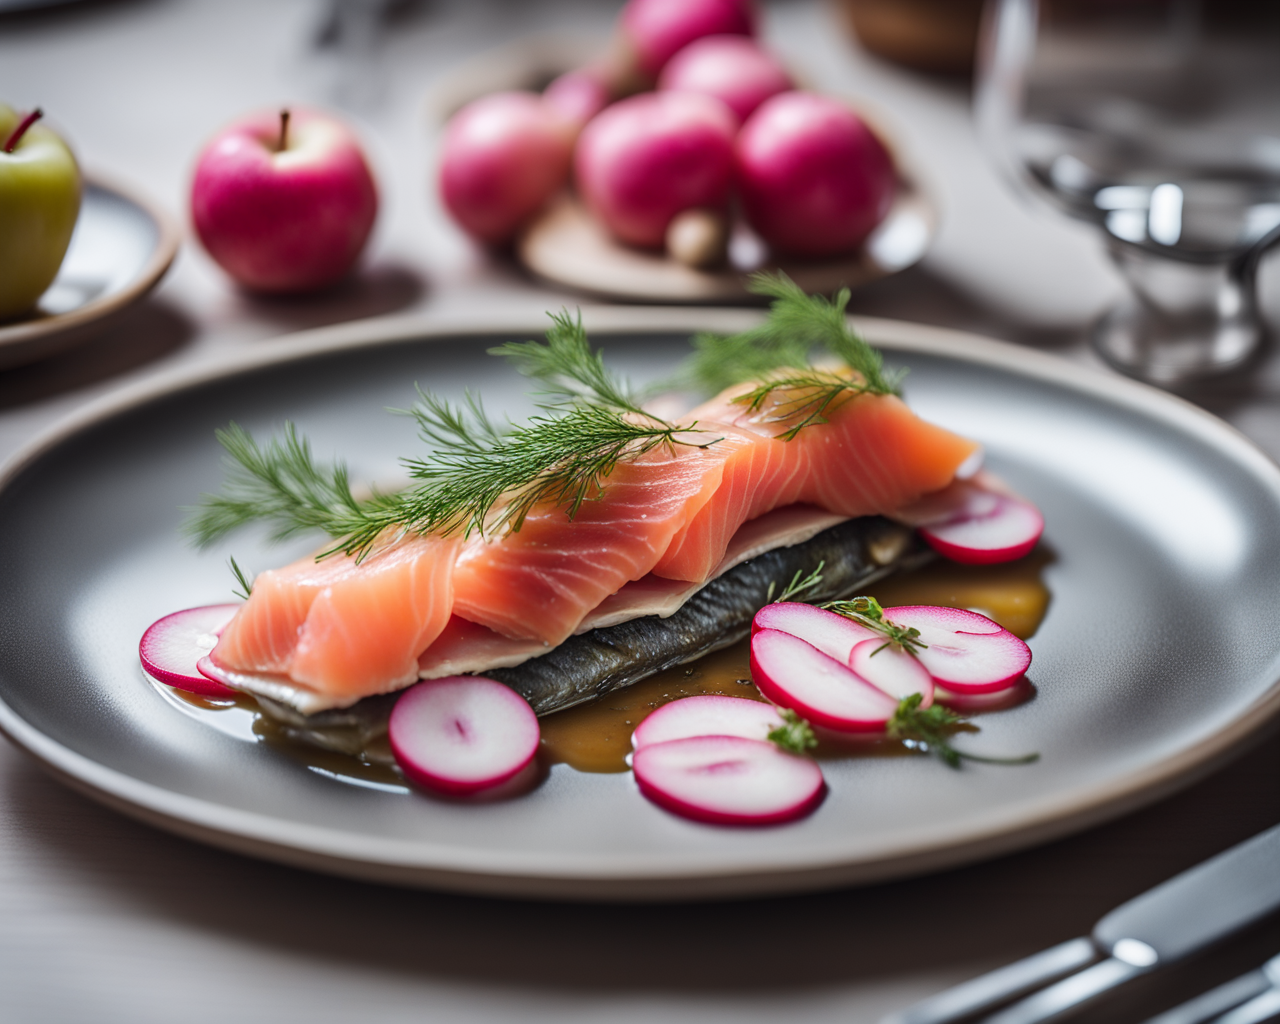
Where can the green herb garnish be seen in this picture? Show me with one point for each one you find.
(797, 585)
(244, 585)
(930, 730)
(866, 611)
(795, 736)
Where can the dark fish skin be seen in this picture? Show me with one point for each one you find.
(585, 667)
(853, 554)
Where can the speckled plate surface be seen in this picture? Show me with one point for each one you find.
(1159, 657)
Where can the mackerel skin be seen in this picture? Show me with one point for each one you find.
(598, 662)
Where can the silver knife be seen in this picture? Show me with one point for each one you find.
(1181, 916)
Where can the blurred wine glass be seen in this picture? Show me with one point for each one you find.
(1158, 121)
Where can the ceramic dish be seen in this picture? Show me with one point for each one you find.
(121, 247)
(1158, 659)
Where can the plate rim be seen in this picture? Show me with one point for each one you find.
(481, 872)
(29, 340)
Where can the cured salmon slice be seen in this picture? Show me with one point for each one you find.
(540, 582)
(345, 628)
(873, 455)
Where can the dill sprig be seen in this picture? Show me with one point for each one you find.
(929, 730)
(797, 586)
(801, 399)
(797, 324)
(866, 611)
(244, 585)
(795, 735)
(568, 368)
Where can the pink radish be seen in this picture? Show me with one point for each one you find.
(889, 668)
(172, 646)
(1020, 691)
(707, 715)
(814, 178)
(655, 30)
(797, 675)
(577, 95)
(733, 69)
(728, 780)
(832, 634)
(503, 157)
(986, 529)
(965, 652)
(645, 159)
(462, 733)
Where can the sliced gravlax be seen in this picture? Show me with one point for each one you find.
(540, 582)
(344, 628)
(873, 455)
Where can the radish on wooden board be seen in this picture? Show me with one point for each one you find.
(733, 69)
(964, 651)
(645, 159)
(795, 674)
(462, 734)
(708, 714)
(832, 634)
(502, 158)
(890, 668)
(171, 647)
(728, 780)
(986, 529)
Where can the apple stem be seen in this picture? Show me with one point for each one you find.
(284, 130)
(21, 130)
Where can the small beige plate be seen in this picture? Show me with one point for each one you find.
(122, 246)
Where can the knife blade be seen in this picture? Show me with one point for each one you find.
(1193, 910)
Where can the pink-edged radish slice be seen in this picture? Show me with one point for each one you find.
(462, 734)
(728, 780)
(171, 647)
(795, 674)
(1020, 692)
(892, 670)
(986, 529)
(966, 652)
(832, 634)
(708, 714)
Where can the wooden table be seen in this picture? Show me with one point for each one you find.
(103, 919)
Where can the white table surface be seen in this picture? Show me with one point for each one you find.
(105, 920)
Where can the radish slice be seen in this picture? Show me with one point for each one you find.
(1020, 692)
(966, 652)
(707, 715)
(462, 733)
(172, 646)
(832, 634)
(892, 670)
(728, 780)
(987, 529)
(797, 675)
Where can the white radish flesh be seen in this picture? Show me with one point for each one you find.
(797, 675)
(707, 715)
(462, 733)
(728, 780)
(172, 646)
(891, 669)
(988, 528)
(832, 634)
(966, 652)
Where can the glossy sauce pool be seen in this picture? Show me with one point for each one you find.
(596, 737)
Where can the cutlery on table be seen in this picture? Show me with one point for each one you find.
(1179, 917)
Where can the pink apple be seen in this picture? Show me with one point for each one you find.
(284, 201)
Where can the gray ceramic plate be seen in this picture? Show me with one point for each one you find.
(1159, 656)
(121, 247)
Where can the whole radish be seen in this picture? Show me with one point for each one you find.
(578, 96)
(655, 30)
(503, 157)
(647, 158)
(814, 179)
(733, 69)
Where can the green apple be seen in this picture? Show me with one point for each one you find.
(39, 203)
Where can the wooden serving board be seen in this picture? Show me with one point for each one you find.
(567, 246)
